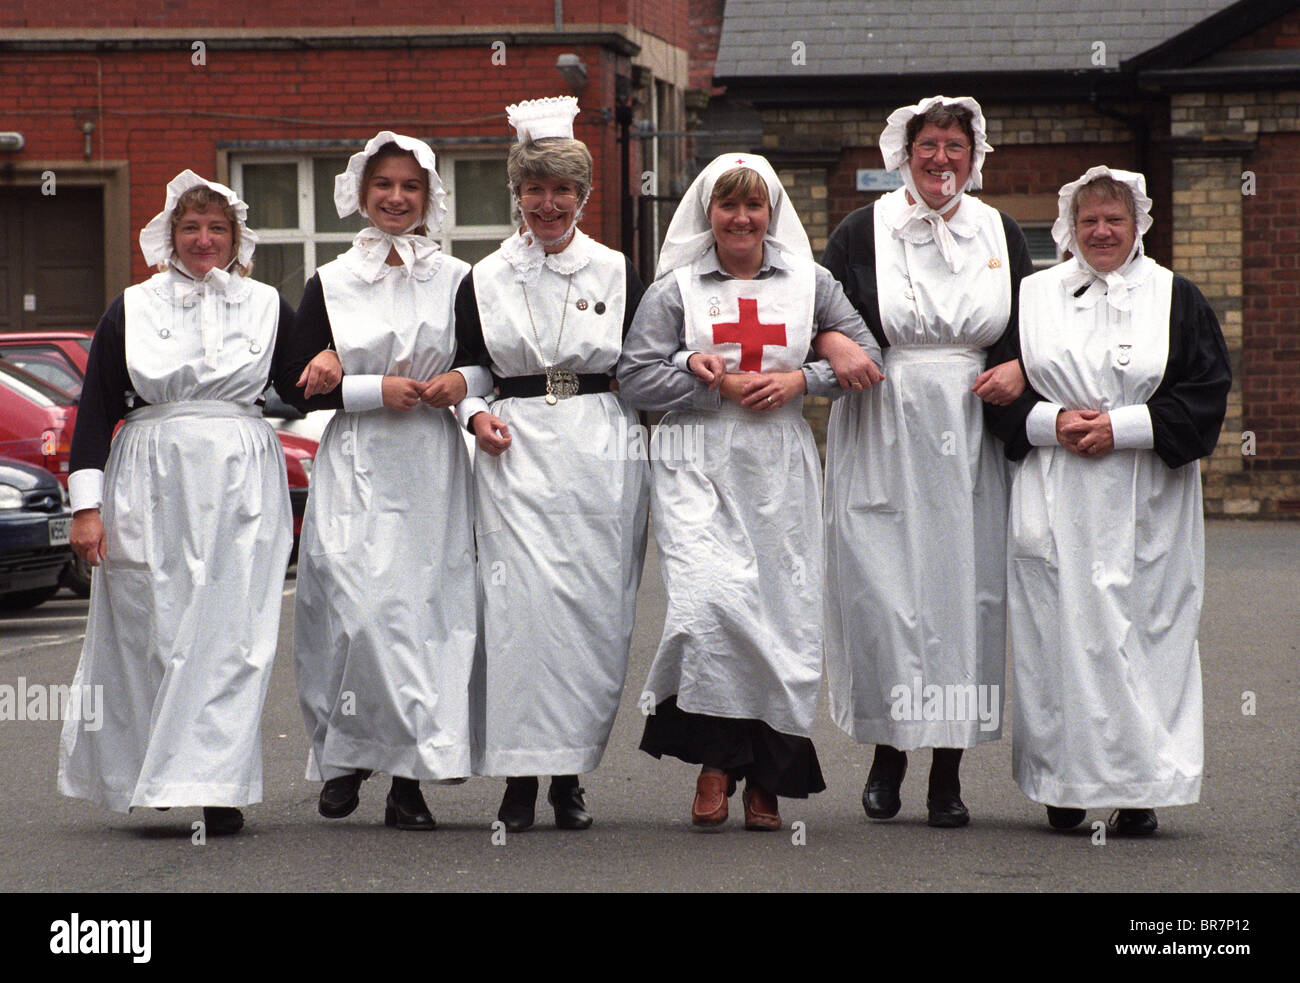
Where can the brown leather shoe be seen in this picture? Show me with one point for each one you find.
(760, 808)
(710, 805)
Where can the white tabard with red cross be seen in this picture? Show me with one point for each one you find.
(756, 325)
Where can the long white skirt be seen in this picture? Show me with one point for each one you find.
(561, 526)
(184, 612)
(1107, 572)
(737, 518)
(916, 513)
(385, 623)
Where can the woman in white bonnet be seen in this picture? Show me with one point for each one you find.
(915, 487)
(186, 516)
(724, 340)
(385, 623)
(1128, 380)
(561, 502)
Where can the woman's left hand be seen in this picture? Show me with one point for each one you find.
(770, 391)
(1089, 434)
(1000, 385)
(444, 390)
(852, 366)
(322, 374)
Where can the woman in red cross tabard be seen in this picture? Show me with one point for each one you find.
(724, 340)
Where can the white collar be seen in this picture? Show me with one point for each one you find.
(368, 257)
(1114, 286)
(526, 255)
(919, 223)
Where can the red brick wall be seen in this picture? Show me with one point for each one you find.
(159, 111)
(663, 18)
(1281, 33)
(667, 15)
(1270, 369)
(705, 34)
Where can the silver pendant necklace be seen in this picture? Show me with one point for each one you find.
(560, 383)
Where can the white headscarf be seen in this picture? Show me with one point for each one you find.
(420, 254)
(919, 223)
(690, 234)
(156, 237)
(1116, 283)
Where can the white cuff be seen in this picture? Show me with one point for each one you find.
(681, 360)
(1040, 427)
(1131, 428)
(478, 380)
(467, 407)
(86, 489)
(362, 392)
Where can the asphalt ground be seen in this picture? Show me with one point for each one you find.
(1241, 837)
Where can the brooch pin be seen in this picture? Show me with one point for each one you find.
(994, 263)
(582, 304)
(1123, 357)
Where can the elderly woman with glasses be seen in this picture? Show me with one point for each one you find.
(1128, 384)
(561, 502)
(915, 488)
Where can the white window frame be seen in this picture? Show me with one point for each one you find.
(305, 234)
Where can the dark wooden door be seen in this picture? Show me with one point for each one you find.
(51, 259)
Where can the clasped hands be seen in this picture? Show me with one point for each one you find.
(324, 372)
(1085, 432)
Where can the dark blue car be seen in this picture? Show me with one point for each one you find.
(34, 526)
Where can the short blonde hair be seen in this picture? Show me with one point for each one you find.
(200, 198)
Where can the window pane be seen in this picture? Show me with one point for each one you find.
(324, 170)
(482, 193)
(1042, 247)
(472, 250)
(271, 191)
(326, 251)
(281, 266)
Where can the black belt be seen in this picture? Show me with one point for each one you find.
(535, 385)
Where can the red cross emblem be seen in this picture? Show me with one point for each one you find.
(751, 333)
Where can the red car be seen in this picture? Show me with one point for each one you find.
(58, 358)
(36, 420)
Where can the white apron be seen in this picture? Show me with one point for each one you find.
(738, 518)
(1105, 570)
(916, 503)
(385, 623)
(561, 519)
(185, 610)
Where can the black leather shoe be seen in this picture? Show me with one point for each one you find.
(222, 820)
(340, 796)
(1132, 822)
(570, 809)
(880, 795)
(947, 811)
(406, 808)
(519, 804)
(1062, 818)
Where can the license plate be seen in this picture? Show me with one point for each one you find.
(59, 530)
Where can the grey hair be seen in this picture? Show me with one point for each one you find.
(1103, 188)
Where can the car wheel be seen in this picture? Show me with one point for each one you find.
(76, 576)
(23, 599)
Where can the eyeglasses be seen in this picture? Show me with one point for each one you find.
(563, 199)
(953, 150)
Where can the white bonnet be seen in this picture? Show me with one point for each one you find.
(347, 186)
(156, 236)
(1063, 227)
(893, 139)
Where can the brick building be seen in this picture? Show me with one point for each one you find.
(1203, 96)
(272, 96)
